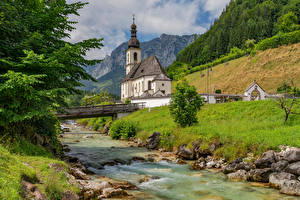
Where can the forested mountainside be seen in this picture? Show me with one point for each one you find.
(111, 70)
(240, 21)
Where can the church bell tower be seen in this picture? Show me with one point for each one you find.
(134, 52)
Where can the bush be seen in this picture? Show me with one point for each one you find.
(122, 128)
(185, 104)
(166, 139)
(278, 40)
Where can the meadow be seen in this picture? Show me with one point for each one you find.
(236, 127)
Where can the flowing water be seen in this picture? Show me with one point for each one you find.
(172, 181)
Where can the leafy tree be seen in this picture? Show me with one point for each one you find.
(185, 104)
(39, 68)
(250, 44)
(102, 98)
(288, 22)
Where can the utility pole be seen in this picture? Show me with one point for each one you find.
(207, 84)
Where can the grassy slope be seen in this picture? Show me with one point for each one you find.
(240, 126)
(24, 161)
(269, 68)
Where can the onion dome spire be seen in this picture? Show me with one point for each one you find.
(133, 42)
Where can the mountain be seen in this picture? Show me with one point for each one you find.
(111, 70)
(242, 20)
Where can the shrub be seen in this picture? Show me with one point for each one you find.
(166, 139)
(278, 40)
(122, 128)
(185, 104)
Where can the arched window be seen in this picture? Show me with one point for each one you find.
(128, 58)
(135, 56)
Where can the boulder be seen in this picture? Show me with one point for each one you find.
(240, 175)
(277, 179)
(291, 187)
(185, 153)
(279, 166)
(78, 174)
(113, 193)
(210, 164)
(260, 175)
(153, 141)
(198, 165)
(290, 154)
(237, 165)
(266, 160)
(294, 168)
(95, 187)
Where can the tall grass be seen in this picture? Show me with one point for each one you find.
(240, 127)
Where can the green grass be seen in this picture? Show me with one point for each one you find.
(240, 127)
(25, 161)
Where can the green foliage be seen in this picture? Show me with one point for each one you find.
(20, 100)
(250, 44)
(122, 128)
(218, 91)
(288, 23)
(278, 40)
(177, 70)
(185, 104)
(166, 139)
(102, 98)
(38, 67)
(127, 101)
(233, 54)
(240, 127)
(239, 22)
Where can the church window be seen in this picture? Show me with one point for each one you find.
(128, 58)
(135, 56)
(163, 84)
(149, 85)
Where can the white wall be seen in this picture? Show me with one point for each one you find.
(162, 85)
(153, 102)
(263, 94)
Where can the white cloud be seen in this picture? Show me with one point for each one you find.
(111, 19)
(215, 7)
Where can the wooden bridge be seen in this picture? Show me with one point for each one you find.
(116, 111)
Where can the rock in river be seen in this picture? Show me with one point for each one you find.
(266, 160)
(153, 141)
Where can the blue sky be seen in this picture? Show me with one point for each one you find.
(111, 19)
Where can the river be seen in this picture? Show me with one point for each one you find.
(170, 181)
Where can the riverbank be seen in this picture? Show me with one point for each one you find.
(28, 171)
(232, 130)
(155, 171)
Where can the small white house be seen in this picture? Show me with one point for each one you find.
(254, 92)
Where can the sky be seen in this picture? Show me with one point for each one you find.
(111, 20)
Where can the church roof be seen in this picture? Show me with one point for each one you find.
(253, 84)
(148, 67)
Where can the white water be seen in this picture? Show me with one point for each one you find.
(174, 181)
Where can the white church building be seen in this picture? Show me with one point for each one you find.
(145, 81)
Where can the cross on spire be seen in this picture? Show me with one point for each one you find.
(133, 18)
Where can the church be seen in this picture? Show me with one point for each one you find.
(145, 80)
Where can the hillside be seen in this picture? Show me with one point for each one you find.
(242, 20)
(111, 70)
(269, 68)
(238, 127)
